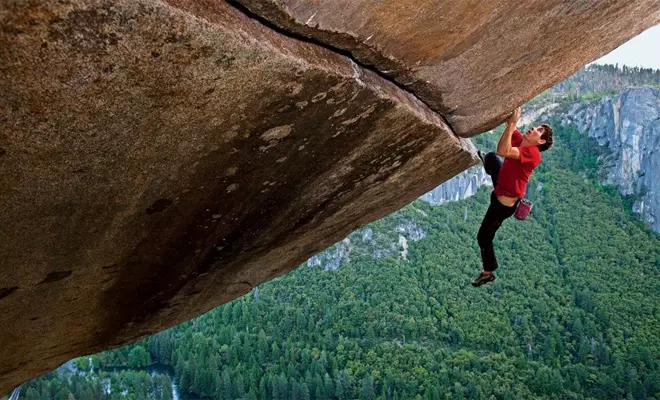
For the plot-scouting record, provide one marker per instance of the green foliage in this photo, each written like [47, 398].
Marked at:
[594, 81]
[83, 363]
[138, 357]
[127, 384]
[488, 141]
[572, 151]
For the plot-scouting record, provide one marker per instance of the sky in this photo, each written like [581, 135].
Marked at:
[641, 51]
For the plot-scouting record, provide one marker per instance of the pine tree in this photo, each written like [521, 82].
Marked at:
[340, 384]
[304, 392]
[367, 391]
[228, 385]
[263, 392]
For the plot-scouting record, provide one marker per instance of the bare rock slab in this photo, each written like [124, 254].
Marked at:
[472, 61]
[160, 158]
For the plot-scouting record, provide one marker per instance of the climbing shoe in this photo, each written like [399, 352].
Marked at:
[482, 156]
[483, 278]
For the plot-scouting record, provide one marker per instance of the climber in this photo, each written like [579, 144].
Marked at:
[522, 153]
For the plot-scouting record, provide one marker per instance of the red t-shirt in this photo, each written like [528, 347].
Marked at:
[514, 174]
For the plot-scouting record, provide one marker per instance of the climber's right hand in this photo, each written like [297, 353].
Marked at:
[515, 116]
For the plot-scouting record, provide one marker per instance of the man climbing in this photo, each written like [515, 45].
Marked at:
[522, 153]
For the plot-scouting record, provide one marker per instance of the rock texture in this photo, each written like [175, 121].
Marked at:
[460, 187]
[472, 61]
[331, 258]
[383, 244]
[161, 157]
[158, 159]
[629, 126]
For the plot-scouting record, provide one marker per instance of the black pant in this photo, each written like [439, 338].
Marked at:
[496, 214]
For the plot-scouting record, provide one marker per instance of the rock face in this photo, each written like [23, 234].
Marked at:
[380, 246]
[332, 258]
[472, 61]
[159, 158]
[459, 187]
[629, 126]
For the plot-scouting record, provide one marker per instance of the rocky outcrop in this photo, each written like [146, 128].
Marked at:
[332, 258]
[627, 124]
[459, 187]
[159, 158]
[472, 61]
[379, 245]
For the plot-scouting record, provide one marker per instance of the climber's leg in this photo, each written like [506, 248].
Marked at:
[492, 165]
[496, 214]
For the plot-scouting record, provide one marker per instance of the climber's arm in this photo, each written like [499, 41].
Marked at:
[504, 148]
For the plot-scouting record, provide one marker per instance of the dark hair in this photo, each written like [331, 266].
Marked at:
[547, 136]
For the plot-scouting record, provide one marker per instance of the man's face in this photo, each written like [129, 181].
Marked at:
[533, 136]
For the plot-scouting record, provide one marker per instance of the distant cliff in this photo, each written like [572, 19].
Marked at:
[459, 187]
[627, 124]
